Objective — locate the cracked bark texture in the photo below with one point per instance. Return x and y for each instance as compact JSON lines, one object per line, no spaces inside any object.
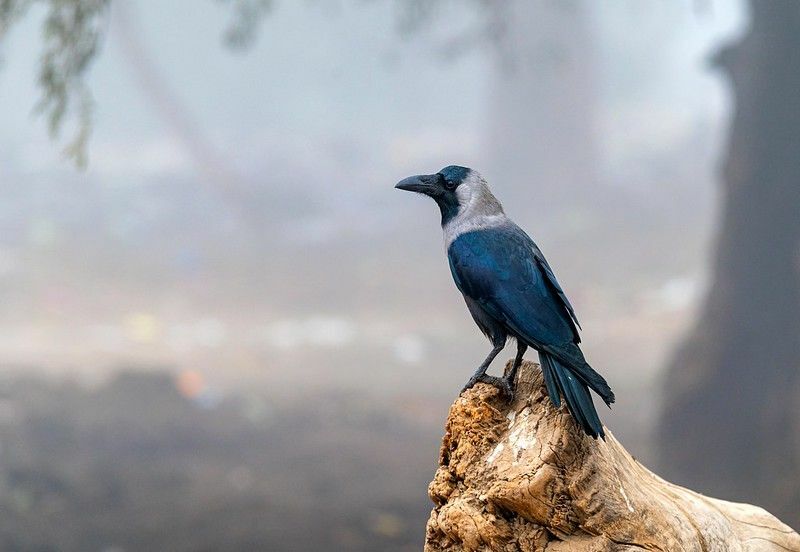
{"x":521,"y":477}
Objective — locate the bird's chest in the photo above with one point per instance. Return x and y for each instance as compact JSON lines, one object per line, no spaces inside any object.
{"x":478,"y":264}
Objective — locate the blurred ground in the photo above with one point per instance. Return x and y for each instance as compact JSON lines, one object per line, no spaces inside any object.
{"x":137,"y":465}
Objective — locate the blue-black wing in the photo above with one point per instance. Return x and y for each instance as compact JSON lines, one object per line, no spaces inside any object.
{"x":503,"y":271}
{"x":551,"y":278}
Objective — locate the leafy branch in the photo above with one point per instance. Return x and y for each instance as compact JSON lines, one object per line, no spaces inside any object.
{"x":72,"y":34}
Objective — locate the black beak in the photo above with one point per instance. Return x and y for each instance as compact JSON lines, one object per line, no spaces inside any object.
{"x":422,"y":184}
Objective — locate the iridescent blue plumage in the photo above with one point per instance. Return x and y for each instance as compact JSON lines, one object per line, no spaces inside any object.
{"x":499,"y":268}
{"x":511,"y":290}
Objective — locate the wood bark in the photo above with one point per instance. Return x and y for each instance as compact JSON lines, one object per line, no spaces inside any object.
{"x":522,"y":477}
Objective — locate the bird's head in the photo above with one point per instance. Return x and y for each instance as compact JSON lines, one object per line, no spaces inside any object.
{"x":455,"y":189}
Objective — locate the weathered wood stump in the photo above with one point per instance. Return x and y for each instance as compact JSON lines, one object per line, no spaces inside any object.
{"x":522,"y":477}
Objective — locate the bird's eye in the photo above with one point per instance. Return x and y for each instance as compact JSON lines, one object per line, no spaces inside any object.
{"x":449,"y":184}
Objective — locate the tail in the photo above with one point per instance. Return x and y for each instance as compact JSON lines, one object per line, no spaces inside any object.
{"x":571,"y":357}
{"x":572,"y":384}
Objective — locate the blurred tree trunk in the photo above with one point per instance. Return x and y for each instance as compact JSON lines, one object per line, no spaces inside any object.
{"x":731,"y":418}
{"x":543,"y":100}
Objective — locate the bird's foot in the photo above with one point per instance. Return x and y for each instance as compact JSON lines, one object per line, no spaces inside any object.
{"x":470,"y":384}
{"x":502,"y":384}
{"x":511,"y":382}
{"x":510,"y":376}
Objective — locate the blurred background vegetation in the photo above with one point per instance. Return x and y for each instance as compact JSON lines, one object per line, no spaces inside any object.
{"x":221,"y":329}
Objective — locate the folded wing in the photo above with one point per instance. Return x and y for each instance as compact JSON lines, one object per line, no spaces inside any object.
{"x":507,"y":275}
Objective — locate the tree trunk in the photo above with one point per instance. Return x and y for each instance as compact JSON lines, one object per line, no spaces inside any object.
{"x":523,"y":477}
{"x":730,"y":420}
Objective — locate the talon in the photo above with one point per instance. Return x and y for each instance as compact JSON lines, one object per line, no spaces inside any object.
{"x":506,"y":390}
{"x":511,"y":382}
{"x":470,"y":384}
{"x":501,"y":384}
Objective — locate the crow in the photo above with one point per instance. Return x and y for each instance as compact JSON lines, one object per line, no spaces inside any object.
{"x":511,"y":291}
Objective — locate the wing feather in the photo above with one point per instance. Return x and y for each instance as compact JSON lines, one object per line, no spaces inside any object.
{"x":503,"y":271}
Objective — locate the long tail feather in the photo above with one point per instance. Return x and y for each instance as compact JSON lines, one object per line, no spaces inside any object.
{"x":572,"y":358}
{"x":550,"y":380}
{"x":575,"y":392}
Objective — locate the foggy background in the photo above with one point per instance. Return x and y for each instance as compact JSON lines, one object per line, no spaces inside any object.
{"x":231,"y":332}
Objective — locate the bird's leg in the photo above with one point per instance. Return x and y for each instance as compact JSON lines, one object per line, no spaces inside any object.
{"x":511,"y":376}
{"x":480,"y":373}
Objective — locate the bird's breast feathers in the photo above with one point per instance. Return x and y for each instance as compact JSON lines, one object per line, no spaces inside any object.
{"x":482,"y":257}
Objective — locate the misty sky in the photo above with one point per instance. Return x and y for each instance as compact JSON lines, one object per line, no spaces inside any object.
{"x":316,"y":75}
{"x":149,"y":257}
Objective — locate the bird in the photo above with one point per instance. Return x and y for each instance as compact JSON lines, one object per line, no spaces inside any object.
{"x":511,"y":292}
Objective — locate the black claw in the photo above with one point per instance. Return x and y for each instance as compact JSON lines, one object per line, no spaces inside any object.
{"x":501,"y":384}
{"x":470,"y":384}
{"x":504,"y":385}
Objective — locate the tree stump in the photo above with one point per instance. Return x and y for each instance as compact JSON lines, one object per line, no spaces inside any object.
{"x":522,"y":477}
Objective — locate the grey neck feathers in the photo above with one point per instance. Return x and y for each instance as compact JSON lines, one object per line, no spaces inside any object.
{"x":478,"y":209}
